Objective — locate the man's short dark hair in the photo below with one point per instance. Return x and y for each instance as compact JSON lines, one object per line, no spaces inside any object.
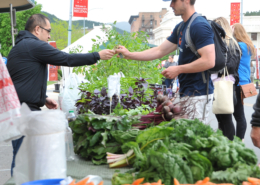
{"x":35,"y":20}
{"x":192,"y":2}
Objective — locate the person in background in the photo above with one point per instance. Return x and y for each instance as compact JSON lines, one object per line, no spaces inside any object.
{"x":233,"y":58}
{"x":252,"y":70}
{"x":168,"y":63}
{"x":27,"y":65}
{"x":248,"y":51}
{"x":255,"y":132}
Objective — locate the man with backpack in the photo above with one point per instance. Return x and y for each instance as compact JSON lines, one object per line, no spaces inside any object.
{"x":196,"y":57}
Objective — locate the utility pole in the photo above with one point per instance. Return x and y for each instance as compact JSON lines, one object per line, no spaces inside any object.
{"x":70,"y":19}
{"x":241,"y":14}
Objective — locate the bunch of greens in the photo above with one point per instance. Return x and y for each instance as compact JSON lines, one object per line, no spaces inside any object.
{"x":187,"y":150}
{"x":97,"y":74}
{"x":99,"y":102}
{"x":93,"y":138}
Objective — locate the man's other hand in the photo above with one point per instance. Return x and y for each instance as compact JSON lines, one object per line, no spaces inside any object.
{"x":106,"y":54}
{"x":51,"y":104}
{"x":171,"y":72}
{"x":125,"y":52}
{"x":255,"y":136}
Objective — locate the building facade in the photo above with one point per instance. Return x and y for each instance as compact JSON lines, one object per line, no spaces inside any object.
{"x":147,"y":21}
{"x":169,"y":21}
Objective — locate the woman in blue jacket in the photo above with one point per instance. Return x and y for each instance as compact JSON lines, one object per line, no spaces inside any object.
{"x":248,"y":51}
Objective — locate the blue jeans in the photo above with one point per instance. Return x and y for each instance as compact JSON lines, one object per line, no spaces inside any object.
{"x":168,"y":83}
{"x":18,"y":142}
{"x":16,"y":145}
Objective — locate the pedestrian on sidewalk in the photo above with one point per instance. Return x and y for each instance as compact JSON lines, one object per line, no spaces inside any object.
{"x":248,"y":51}
{"x":168,"y":63}
{"x":255,"y":132}
{"x":27,"y":65}
{"x":189,"y":66}
{"x":252,"y":70}
{"x":225,"y":122}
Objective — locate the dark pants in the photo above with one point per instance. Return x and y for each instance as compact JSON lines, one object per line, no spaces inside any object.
{"x":226,"y":125}
{"x":168,"y":83}
{"x":17,"y":143}
{"x":225,"y":120}
{"x":239,"y":115}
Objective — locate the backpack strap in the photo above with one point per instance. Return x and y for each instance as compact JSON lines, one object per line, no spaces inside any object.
{"x":188,"y":37}
{"x":179,"y":28}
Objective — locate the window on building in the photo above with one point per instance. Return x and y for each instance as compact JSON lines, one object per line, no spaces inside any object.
{"x":155,"y":22}
{"x":151,"y":22}
{"x":151,"y":30}
{"x":253,"y":36}
{"x":151,"y":16}
{"x":142,"y":24}
{"x":160,"y":16}
{"x":139,"y":29}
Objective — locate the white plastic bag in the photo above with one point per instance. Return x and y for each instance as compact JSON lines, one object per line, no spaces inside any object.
{"x":174,"y":86}
{"x":68,"y":97}
{"x":9,"y":105}
{"x":42,"y":154}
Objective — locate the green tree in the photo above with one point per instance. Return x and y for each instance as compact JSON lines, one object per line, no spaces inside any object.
{"x":59,"y":33}
{"x":5,"y":26}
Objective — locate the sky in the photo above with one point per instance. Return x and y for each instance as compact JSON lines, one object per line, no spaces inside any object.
{"x":108,"y":11}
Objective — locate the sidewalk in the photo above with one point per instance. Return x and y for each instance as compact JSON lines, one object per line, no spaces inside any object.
{"x":6,"y":150}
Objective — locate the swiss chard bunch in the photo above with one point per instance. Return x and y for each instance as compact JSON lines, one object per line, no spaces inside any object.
{"x":92,"y":135}
{"x":99,"y":102}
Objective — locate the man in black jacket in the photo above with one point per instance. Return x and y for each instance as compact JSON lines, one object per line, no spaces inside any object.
{"x":255,"y":132}
{"x":27,"y":62}
{"x":27,"y":65}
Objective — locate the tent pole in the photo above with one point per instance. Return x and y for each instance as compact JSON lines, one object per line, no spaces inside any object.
{"x":12,"y":24}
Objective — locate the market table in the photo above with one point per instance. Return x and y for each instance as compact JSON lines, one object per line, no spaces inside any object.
{"x":79,"y":168}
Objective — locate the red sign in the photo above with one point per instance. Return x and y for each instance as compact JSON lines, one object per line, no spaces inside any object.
{"x":235,"y":13}
{"x":80,"y":8}
{"x":53,"y":70}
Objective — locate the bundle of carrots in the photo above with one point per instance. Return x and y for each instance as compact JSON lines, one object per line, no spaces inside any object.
{"x":84,"y":182}
{"x":252,"y":181}
{"x":139,"y":181}
{"x":206,"y":181}
{"x":202,"y":182}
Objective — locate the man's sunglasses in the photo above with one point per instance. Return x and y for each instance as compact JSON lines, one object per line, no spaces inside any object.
{"x":46,"y":29}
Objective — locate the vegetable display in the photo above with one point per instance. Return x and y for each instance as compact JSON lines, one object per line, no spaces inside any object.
{"x":188,"y":150}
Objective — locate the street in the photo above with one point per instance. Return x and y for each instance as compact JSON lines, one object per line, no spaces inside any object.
{"x":6,"y":148}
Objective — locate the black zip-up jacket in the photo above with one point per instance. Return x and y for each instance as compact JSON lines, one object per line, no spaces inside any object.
{"x":27,"y":65}
{"x":233,"y":61}
{"x":256,"y":115}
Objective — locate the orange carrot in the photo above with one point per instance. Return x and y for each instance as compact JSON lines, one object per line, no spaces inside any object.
{"x":176,"y":182}
{"x":147,"y":183}
{"x":83,"y":182}
{"x":91,"y":183}
{"x":254,"y":181}
{"x":101,"y":183}
{"x":159,"y":182}
{"x":73,"y":182}
{"x":138,"y":181}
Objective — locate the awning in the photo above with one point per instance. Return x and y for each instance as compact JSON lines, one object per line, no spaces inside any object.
{"x":19,"y":5}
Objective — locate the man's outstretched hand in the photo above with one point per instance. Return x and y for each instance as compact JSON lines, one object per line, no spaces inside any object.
{"x":125,"y":52}
{"x":51,"y":104}
{"x":106,"y":54}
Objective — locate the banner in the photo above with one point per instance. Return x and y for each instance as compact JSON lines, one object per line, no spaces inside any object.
{"x":235,"y":13}
{"x":53,"y":70}
{"x":80,"y":8}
